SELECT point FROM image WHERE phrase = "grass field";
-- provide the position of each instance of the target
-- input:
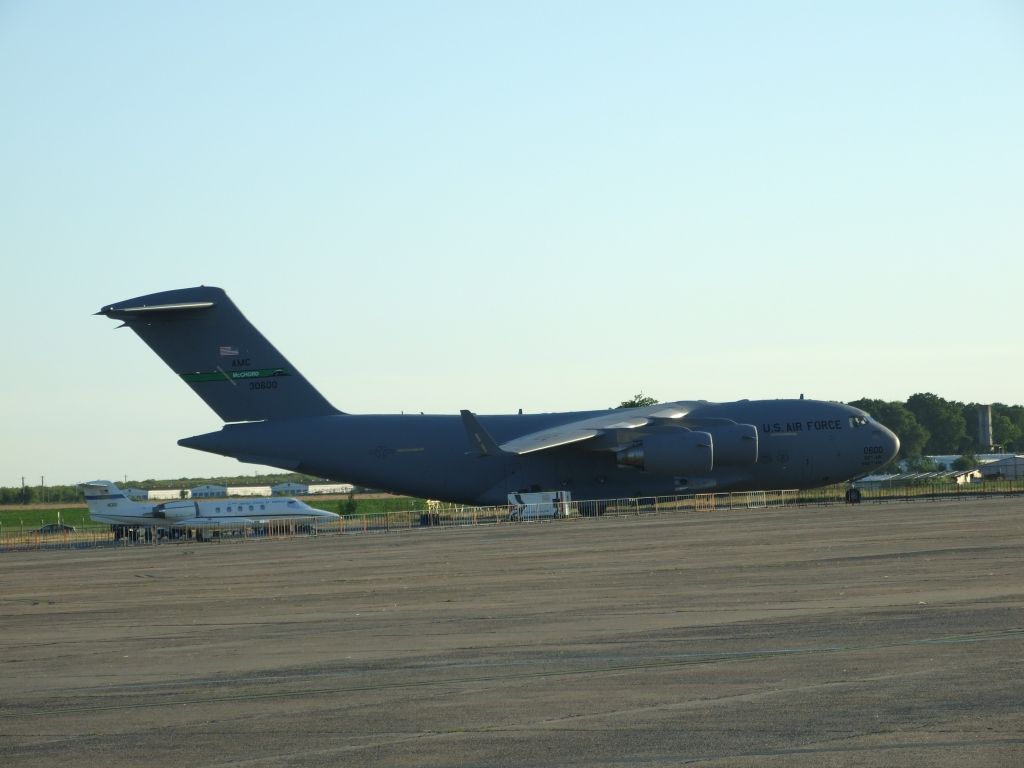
(30, 518)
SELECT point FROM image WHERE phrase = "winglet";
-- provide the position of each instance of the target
(479, 438)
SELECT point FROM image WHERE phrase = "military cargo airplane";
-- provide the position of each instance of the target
(275, 417)
(108, 504)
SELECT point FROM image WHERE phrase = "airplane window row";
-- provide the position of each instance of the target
(858, 421)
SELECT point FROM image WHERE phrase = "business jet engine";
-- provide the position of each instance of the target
(174, 510)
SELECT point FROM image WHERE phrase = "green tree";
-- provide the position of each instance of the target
(349, 505)
(639, 400)
(967, 461)
(921, 464)
(896, 417)
(944, 421)
(1006, 431)
(1015, 413)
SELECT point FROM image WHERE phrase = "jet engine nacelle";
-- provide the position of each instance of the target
(174, 510)
(674, 452)
(735, 444)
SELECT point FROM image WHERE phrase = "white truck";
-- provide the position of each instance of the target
(540, 504)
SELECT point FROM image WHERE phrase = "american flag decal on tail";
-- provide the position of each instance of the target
(226, 351)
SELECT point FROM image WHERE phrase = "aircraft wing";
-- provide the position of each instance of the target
(585, 429)
(212, 522)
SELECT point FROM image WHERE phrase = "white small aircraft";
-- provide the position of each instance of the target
(108, 504)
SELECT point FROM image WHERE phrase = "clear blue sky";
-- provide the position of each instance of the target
(439, 205)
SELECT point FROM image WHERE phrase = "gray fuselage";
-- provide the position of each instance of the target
(802, 444)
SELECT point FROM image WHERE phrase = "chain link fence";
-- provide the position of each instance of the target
(442, 515)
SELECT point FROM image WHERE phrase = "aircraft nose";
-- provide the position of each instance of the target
(891, 443)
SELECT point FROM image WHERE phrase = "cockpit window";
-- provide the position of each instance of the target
(858, 421)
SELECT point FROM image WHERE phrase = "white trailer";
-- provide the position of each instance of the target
(540, 504)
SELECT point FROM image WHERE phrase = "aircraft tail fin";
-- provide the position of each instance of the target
(105, 499)
(209, 343)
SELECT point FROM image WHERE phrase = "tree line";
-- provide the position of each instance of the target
(928, 425)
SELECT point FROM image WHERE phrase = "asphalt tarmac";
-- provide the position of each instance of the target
(876, 635)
